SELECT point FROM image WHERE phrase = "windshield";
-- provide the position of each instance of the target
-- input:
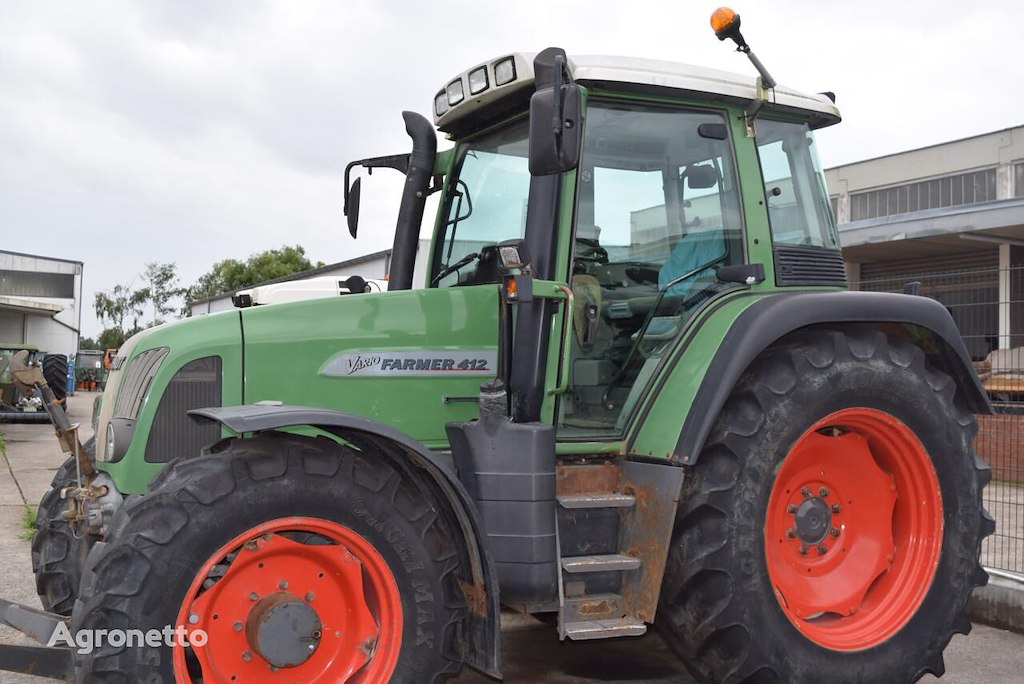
(799, 209)
(486, 200)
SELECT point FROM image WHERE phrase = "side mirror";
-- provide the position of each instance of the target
(352, 207)
(556, 135)
(700, 177)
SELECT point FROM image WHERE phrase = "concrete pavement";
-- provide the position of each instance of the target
(532, 652)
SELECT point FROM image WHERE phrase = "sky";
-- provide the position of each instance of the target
(158, 130)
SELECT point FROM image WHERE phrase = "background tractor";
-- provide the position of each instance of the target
(633, 390)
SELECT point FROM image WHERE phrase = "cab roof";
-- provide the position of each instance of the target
(633, 74)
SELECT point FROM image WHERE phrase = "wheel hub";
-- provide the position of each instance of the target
(268, 602)
(284, 630)
(813, 520)
(853, 528)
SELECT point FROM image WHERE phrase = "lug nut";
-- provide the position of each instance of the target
(246, 656)
(803, 549)
(791, 533)
(834, 531)
(237, 626)
(791, 508)
(253, 596)
(309, 596)
(806, 491)
(836, 508)
(822, 549)
(283, 584)
(823, 491)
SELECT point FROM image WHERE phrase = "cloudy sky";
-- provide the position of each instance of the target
(164, 130)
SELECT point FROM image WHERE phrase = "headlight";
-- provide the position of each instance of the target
(455, 93)
(505, 71)
(108, 446)
(478, 81)
(440, 103)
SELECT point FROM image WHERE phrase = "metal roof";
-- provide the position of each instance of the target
(648, 74)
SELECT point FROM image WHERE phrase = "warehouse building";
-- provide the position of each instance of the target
(40, 302)
(950, 217)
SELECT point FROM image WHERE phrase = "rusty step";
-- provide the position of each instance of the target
(596, 500)
(603, 563)
(604, 629)
(592, 607)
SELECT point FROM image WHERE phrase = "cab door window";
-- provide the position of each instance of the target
(658, 212)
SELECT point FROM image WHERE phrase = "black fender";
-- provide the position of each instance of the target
(924, 321)
(482, 646)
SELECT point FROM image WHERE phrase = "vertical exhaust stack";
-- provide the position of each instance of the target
(414, 198)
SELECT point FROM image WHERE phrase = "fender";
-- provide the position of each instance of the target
(769, 319)
(482, 648)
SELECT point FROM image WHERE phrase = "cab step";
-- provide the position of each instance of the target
(597, 500)
(604, 629)
(601, 563)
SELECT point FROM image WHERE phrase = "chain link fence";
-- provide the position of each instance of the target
(988, 307)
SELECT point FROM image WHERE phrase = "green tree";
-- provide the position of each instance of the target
(112, 338)
(161, 287)
(120, 304)
(230, 275)
(88, 343)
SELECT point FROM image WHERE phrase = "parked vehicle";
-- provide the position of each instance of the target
(634, 390)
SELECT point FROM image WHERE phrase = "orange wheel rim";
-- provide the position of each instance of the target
(292, 600)
(853, 529)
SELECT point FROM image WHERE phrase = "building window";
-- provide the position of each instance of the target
(935, 193)
(1018, 179)
(834, 201)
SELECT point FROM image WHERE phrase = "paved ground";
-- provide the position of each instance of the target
(532, 652)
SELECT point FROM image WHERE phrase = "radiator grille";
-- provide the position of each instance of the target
(136, 382)
(808, 266)
(173, 433)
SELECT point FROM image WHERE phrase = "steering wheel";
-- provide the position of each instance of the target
(591, 253)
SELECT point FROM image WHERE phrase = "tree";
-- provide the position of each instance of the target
(123, 304)
(88, 343)
(119, 304)
(162, 287)
(230, 275)
(111, 338)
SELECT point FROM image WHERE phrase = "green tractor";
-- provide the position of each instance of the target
(633, 390)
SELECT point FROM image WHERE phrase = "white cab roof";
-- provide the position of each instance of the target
(646, 75)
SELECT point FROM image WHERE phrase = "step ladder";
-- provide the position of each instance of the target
(594, 609)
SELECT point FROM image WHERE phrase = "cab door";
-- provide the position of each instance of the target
(658, 211)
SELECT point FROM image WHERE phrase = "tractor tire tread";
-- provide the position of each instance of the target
(121, 572)
(707, 587)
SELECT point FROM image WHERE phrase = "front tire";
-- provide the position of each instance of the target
(55, 372)
(831, 528)
(270, 533)
(58, 551)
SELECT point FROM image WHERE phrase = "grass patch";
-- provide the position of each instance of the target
(28, 522)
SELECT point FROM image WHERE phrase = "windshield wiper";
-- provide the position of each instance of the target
(448, 270)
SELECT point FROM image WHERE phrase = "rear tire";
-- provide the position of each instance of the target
(828, 441)
(55, 372)
(197, 543)
(58, 553)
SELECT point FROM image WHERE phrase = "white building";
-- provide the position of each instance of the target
(40, 302)
(950, 216)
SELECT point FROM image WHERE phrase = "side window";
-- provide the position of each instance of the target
(658, 212)
(485, 204)
(799, 209)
